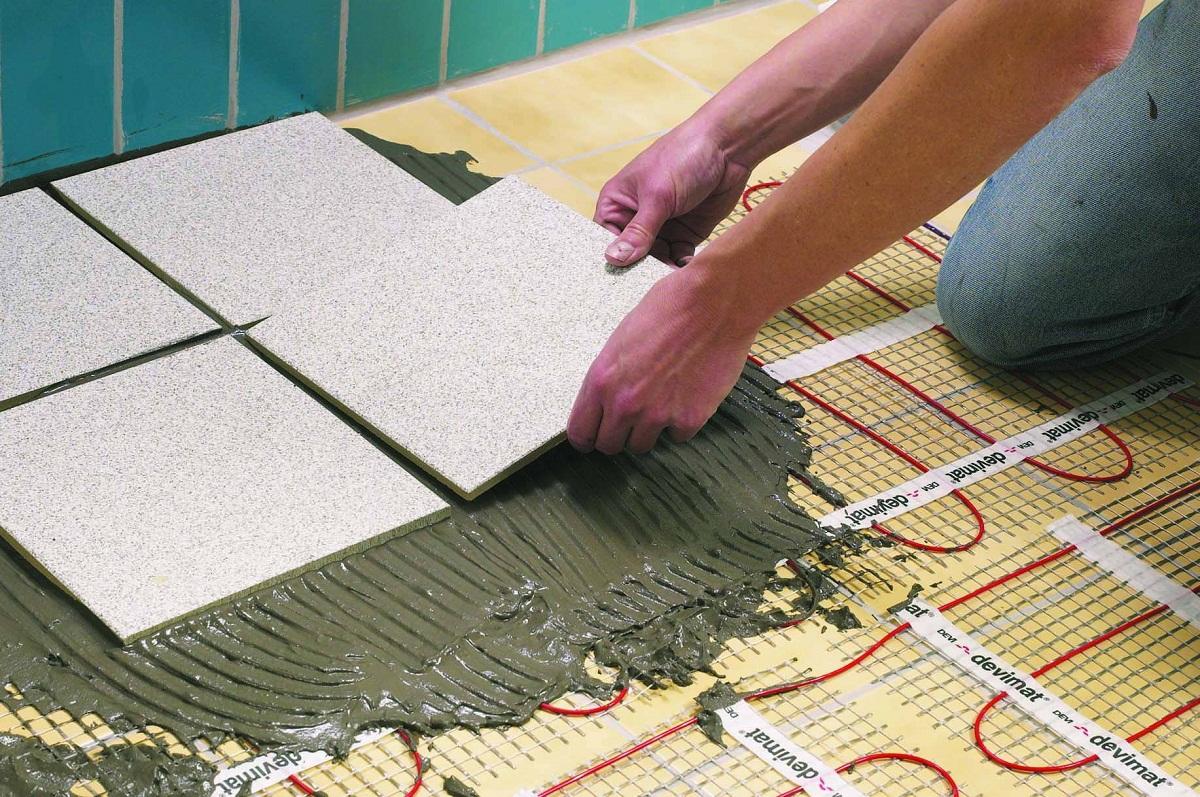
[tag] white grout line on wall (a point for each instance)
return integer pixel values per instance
(444, 57)
(541, 29)
(686, 78)
(343, 35)
(555, 58)
(118, 87)
(235, 32)
(631, 20)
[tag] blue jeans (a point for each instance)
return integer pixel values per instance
(1085, 245)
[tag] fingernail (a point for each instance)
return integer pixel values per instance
(620, 251)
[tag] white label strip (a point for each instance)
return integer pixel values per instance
(1116, 754)
(1128, 568)
(1004, 454)
(271, 768)
(785, 757)
(846, 347)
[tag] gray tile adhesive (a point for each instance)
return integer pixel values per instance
(157, 491)
(651, 564)
(71, 302)
(381, 294)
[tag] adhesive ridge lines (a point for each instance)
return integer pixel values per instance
(458, 334)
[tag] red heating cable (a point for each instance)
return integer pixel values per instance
(418, 764)
(617, 699)
(929, 400)
(1050, 665)
(873, 757)
(895, 449)
(1158, 503)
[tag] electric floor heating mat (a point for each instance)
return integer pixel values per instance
(890, 710)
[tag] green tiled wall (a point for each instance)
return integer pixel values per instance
(487, 33)
(649, 11)
(392, 46)
(56, 74)
(175, 69)
(82, 79)
(573, 21)
(287, 57)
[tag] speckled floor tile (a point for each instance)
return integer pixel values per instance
(466, 349)
(157, 491)
(253, 221)
(71, 302)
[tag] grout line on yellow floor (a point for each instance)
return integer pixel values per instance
(479, 121)
(696, 84)
(558, 170)
(612, 147)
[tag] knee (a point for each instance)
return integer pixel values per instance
(986, 309)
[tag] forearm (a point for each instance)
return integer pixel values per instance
(814, 76)
(998, 73)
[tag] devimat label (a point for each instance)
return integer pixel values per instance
(1117, 755)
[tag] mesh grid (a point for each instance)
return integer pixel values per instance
(904, 698)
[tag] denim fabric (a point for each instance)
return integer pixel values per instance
(1085, 245)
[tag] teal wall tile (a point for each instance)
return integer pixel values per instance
(487, 33)
(287, 57)
(175, 69)
(573, 21)
(653, 10)
(392, 46)
(56, 73)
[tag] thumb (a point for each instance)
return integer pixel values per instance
(635, 240)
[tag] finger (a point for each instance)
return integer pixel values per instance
(661, 250)
(682, 252)
(614, 432)
(682, 432)
(638, 236)
(644, 437)
(584, 423)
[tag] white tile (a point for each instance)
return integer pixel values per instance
(162, 489)
(71, 302)
(251, 222)
(465, 348)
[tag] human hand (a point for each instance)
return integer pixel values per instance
(667, 366)
(669, 198)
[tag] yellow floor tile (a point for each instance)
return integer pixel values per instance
(583, 105)
(562, 188)
(596, 169)
(433, 126)
(713, 53)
